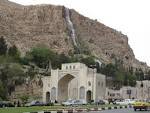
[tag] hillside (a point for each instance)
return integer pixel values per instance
(64, 31)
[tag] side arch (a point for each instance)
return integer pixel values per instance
(89, 96)
(53, 94)
(47, 96)
(82, 92)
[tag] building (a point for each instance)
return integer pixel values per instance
(74, 81)
(141, 91)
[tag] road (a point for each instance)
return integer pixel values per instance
(120, 111)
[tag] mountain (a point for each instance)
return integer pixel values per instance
(64, 31)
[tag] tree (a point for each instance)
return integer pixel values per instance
(40, 56)
(10, 74)
(3, 46)
(119, 77)
(130, 79)
(13, 51)
(109, 70)
(139, 74)
(2, 90)
(59, 59)
(89, 61)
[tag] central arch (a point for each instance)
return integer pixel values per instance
(63, 87)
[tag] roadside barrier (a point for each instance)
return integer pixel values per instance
(81, 110)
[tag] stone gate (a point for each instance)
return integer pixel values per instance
(73, 81)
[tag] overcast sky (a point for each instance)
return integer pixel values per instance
(131, 17)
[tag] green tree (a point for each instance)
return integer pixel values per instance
(10, 75)
(40, 56)
(13, 51)
(109, 70)
(139, 74)
(89, 61)
(59, 59)
(2, 91)
(3, 46)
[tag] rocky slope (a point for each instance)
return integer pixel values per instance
(29, 26)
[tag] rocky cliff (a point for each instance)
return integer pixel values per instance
(63, 30)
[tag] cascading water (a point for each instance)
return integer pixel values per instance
(70, 27)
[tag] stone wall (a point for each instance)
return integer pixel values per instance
(32, 88)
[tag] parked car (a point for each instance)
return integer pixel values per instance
(35, 103)
(141, 105)
(111, 101)
(6, 104)
(99, 102)
(106, 101)
(74, 102)
(80, 102)
(68, 102)
(2, 104)
(125, 102)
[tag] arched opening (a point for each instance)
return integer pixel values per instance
(63, 87)
(82, 92)
(89, 96)
(53, 94)
(47, 96)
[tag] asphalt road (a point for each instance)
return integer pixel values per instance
(121, 111)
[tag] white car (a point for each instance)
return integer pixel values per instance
(68, 102)
(125, 102)
(74, 102)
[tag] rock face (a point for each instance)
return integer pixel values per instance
(29, 26)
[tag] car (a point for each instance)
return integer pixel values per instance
(6, 104)
(74, 102)
(99, 102)
(141, 105)
(68, 102)
(106, 101)
(2, 104)
(79, 102)
(35, 103)
(125, 102)
(111, 101)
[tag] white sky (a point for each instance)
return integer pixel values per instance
(131, 17)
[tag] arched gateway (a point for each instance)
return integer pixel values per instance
(72, 82)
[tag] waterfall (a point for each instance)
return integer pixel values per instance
(70, 27)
